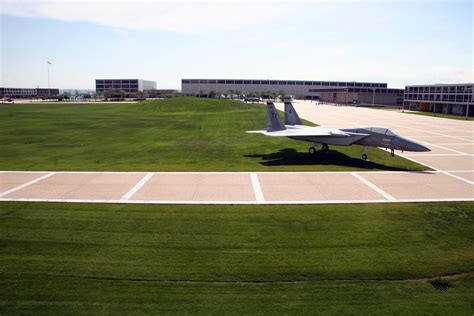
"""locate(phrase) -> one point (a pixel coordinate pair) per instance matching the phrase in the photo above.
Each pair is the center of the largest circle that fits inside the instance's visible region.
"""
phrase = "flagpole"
(49, 87)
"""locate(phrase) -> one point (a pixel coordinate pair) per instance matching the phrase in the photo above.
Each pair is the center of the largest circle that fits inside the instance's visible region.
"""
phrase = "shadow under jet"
(291, 157)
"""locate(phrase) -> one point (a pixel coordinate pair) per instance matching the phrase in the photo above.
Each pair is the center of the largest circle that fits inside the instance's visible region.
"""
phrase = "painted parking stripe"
(257, 189)
(24, 185)
(373, 187)
(137, 187)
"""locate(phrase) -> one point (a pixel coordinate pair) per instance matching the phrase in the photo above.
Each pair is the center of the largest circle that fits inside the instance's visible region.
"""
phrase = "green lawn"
(448, 116)
(183, 134)
(337, 259)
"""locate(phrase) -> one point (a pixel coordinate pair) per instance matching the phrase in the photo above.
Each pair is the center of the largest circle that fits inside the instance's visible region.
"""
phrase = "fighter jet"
(325, 136)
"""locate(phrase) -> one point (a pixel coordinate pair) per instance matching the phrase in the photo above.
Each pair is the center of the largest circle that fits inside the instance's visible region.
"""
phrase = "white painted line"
(459, 170)
(232, 202)
(373, 187)
(24, 185)
(137, 186)
(213, 172)
(445, 148)
(435, 155)
(257, 189)
(438, 170)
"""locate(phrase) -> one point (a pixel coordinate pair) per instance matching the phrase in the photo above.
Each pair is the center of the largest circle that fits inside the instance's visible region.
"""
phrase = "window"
(291, 83)
(247, 81)
(194, 81)
(221, 81)
(185, 81)
(230, 81)
(390, 133)
(264, 82)
(308, 83)
(212, 81)
(299, 83)
(203, 81)
(316, 83)
(282, 82)
(255, 81)
(273, 82)
(238, 81)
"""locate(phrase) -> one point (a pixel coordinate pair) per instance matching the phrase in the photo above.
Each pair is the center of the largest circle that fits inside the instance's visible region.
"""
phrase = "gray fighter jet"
(325, 136)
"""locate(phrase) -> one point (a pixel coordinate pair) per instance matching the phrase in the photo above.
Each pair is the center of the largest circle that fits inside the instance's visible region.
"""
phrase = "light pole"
(373, 97)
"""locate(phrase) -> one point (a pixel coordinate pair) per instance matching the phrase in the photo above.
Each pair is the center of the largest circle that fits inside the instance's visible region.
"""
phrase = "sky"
(399, 42)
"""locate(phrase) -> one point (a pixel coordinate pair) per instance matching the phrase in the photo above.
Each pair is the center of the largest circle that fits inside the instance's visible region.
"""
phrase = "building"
(27, 93)
(126, 85)
(440, 98)
(329, 91)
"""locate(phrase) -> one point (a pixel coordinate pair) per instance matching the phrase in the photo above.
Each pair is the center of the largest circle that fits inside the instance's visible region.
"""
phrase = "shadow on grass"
(289, 156)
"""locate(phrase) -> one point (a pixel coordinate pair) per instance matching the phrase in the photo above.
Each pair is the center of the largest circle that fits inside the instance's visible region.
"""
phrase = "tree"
(212, 94)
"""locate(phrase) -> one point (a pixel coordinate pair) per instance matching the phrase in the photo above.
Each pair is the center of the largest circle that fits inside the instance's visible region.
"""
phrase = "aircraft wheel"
(364, 157)
(325, 148)
(312, 150)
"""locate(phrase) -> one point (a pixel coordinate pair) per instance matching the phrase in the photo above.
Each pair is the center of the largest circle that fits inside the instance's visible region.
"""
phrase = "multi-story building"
(329, 91)
(25, 93)
(440, 98)
(127, 85)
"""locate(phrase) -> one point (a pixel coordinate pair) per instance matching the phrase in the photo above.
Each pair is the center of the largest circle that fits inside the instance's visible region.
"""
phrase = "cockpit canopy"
(381, 130)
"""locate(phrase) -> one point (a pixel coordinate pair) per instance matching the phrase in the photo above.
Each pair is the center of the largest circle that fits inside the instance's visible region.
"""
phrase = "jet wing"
(318, 134)
(306, 131)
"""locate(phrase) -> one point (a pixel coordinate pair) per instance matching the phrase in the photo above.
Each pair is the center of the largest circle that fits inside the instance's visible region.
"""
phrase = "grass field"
(448, 116)
(184, 134)
(337, 259)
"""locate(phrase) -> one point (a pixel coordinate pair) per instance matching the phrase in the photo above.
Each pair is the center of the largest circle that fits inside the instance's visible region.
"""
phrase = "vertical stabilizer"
(291, 117)
(273, 119)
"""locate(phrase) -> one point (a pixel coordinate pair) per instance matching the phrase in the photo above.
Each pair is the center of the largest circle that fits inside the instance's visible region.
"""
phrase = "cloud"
(177, 16)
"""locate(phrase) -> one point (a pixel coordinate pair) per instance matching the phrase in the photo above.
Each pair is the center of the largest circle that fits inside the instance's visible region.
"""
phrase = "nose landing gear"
(312, 151)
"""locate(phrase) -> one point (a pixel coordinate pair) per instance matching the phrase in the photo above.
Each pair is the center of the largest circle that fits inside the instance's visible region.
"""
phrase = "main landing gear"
(365, 156)
(392, 152)
(313, 151)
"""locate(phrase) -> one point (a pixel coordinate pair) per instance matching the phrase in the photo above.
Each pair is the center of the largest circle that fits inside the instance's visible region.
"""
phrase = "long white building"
(330, 91)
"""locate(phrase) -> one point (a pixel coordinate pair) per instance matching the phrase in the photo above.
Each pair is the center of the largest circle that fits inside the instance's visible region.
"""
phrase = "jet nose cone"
(411, 145)
(419, 147)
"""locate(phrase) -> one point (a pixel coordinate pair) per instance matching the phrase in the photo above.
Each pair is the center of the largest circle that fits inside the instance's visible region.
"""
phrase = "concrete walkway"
(451, 141)
(233, 188)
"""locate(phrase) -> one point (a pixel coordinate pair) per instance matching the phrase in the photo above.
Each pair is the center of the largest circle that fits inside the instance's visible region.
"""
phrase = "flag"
(49, 63)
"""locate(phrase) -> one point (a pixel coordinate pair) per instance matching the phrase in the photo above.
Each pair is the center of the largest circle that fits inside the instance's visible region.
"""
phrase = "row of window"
(285, 83)
(121, 88)
(115, 85)
(102, 81)
(371, 90)
(438, 97)
(26, 91)
(440, 89)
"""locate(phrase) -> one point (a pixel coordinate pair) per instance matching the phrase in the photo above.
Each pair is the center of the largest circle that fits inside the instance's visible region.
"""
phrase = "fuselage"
(364, 136)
